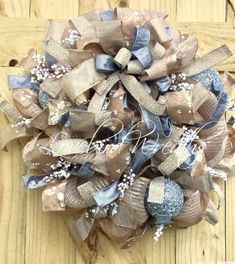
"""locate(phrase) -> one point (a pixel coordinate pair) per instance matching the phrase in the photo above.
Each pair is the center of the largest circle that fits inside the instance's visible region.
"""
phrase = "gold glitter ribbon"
(134, 67)
(88, 189)
(122, 58)
(209, 60)
(136, 89)
(58, 52)
(9, 111)
(172, 162)
(156, 186)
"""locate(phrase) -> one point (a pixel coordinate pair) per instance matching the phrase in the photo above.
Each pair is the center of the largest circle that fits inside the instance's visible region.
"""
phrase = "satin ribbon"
(188, 164)
(156, 125)
(144, 56)
(108, 195)
(164, 83)
(105, 63)
(15, 82)
(85, 170)
(144, 153)
(107, 15)
(141, 38)
(34, 181)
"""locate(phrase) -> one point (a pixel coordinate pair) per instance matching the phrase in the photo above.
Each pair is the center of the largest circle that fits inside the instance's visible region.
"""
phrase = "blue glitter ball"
(207, 77)
(172, 204)
(43, 98)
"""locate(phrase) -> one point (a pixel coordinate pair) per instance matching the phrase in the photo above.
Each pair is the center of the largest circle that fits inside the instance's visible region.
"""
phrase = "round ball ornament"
(172, 203)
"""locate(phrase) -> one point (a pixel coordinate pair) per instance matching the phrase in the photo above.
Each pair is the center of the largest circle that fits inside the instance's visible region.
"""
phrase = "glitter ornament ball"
(43, 98)
(172, 204)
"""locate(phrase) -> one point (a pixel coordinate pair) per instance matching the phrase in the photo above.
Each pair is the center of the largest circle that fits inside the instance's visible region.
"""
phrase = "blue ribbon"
(164, 83)
(105, 63)
(107, 15)
(217, 87)
(34, 181)
(168, 31)
(144, 56)
(231, 121)
(144, 153)
(107, 195)
(86, 170)
(219, 111)
(157, 125)
(187, 165)
(50, 60)
(124, 137)
(16, 82)
(206, 77)
(65, 119)
(83, 171)
(141, 37)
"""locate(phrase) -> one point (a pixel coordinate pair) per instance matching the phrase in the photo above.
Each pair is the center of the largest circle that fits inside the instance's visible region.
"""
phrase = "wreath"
(126, 123)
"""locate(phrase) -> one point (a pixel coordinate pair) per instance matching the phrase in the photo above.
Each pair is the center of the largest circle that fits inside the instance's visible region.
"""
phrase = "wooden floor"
(27, 235)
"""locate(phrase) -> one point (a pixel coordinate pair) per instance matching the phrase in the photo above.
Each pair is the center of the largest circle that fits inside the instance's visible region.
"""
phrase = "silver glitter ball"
(43, 98)
(207, 77)
(172, 204)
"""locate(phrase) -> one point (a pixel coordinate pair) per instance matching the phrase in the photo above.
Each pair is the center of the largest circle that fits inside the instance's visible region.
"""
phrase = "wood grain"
(168, 7)
(208, 245)
(230, 212)
(14, 8)
(201, 10)
(230, 216)
(54, 8)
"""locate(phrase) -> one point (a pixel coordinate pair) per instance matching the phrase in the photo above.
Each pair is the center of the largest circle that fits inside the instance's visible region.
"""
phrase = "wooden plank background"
(29, 236)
